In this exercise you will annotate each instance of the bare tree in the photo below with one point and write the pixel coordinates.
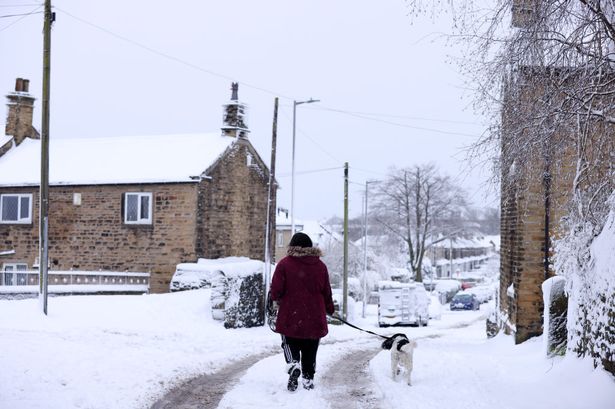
(419, 206)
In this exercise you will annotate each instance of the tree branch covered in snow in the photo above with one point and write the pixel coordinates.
(544, 71)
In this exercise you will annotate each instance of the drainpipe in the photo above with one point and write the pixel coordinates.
(546, 182)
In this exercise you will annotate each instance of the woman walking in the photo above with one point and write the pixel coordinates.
(301, 287)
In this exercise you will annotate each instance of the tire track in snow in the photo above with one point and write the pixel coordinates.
(206, 391)
(348, 384)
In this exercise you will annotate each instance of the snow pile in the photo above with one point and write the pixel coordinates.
(189, 276)
(555, 312)
(587, 260)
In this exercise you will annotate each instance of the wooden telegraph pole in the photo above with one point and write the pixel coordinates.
(270, 205)
(345, 284)
(44, 189)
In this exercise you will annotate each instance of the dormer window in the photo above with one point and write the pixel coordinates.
(138, 208)
(16, 208)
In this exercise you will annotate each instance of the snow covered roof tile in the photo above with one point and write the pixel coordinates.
(114, 160)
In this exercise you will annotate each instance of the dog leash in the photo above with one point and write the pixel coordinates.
(355, 327)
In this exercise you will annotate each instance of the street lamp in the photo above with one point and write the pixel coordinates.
(292, 194)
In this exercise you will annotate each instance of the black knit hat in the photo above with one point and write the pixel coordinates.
(300, 240)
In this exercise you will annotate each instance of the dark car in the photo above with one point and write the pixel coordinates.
(465, 301)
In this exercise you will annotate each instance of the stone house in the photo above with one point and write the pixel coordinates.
(141, 204)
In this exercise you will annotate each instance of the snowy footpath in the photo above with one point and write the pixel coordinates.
(132, 351)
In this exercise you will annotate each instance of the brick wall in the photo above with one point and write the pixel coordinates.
(92, 236)
(536, 192)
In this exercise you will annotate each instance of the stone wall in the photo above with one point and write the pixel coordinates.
(93, 236)
(233, 206)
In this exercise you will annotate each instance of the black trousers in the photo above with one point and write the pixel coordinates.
(301, 350)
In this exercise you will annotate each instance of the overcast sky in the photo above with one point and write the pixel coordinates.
(390, 95)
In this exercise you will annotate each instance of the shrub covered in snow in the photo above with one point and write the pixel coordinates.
(586, 257)
(238, 288)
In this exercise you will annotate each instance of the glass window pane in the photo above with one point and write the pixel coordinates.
(25, 207)
(9, 208)
(145, 207)
(132, 208)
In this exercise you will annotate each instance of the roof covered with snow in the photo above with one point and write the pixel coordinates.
(4, 139)
(114, 160)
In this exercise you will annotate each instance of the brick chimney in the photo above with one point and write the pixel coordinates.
(19, 117)
(234, 116)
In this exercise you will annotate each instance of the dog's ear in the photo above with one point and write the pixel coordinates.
(388, 343)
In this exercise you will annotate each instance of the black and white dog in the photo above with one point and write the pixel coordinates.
(402, 349)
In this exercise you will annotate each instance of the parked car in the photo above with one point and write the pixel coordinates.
(483, 292)
(465, 301)
(447, 288)
(402, 304)
(467, 283)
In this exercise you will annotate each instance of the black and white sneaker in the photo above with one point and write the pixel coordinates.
(307, 383)
(293, 379)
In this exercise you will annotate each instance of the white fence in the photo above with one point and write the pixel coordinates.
(27, 281)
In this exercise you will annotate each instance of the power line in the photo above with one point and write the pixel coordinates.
(21, 5)
(420, 128)
(416, 118)
(170, 57)
(21, 18)
(21, 14)
(305, 172)
(365, 116)
(311, 139)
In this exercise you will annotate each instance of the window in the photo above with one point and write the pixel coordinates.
(138, 208)
(10, 276)
(280, 239)
(16, 208)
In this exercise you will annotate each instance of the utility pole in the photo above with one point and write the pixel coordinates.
(271, 192)
(345, 283)
(365, 253)
(44, 188)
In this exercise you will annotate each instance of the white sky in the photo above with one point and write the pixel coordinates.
(359, 56)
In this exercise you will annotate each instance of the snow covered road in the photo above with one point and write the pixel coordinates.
(129, 352)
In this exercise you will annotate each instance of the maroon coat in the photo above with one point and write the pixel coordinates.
(301, 287)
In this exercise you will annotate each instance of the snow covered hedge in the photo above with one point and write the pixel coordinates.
(238, 288)
(586, 257)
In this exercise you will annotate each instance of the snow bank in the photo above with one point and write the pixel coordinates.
(201, 274)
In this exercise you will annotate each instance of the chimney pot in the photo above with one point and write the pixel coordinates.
(26, 85)
(19, 85)
(234, 91)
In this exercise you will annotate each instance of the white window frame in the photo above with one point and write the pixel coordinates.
(15, 273)
(279, 239)
(20, 218)
(140, 218)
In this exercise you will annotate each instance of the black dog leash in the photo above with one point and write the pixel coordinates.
(355, 327)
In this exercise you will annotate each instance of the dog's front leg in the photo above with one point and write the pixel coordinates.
(394, 368)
